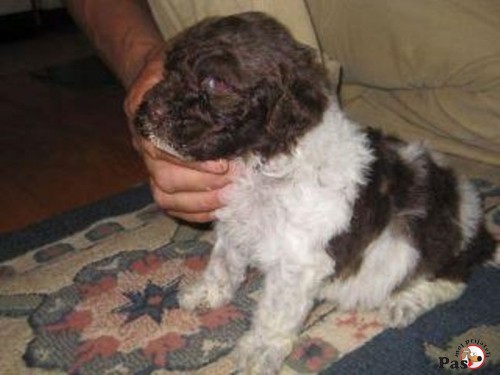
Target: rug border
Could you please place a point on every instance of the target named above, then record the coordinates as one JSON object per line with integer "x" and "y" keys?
{"x": 16, "y": 243}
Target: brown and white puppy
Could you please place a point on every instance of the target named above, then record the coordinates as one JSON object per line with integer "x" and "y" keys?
{"x": 323, "y": 208}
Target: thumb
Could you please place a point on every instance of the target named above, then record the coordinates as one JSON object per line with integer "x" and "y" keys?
{"x": 151, "y": 73}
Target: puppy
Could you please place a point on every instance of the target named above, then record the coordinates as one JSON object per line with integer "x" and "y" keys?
{"x": 325, "y": 209}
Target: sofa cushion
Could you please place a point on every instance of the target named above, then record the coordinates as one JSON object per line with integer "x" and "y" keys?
{"x": 409, "y": 44}
{"x": 423, "y": 70}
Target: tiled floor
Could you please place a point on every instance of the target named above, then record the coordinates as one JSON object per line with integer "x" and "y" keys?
{"x": 61, "y": 145}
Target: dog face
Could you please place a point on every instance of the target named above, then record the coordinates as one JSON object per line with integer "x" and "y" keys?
{"x": 232, "y": 86}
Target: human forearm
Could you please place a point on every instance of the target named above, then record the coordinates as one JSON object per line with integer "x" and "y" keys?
{"x": 123, "y": 31}
{"x": 125, "y": 34}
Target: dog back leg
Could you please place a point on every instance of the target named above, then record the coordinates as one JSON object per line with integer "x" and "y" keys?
{"x": 405, "y": 306}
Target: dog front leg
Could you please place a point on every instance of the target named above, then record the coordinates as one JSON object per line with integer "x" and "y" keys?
{"x": 287, "y": 299}
{"x": 224, "y": 273}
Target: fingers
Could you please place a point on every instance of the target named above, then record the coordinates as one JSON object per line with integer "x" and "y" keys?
{"x": 137, "y": 91}
{"x": 187, "y": 193}
{"x": 153, "y": 154}
{"x": 185, "y": 190}
{"x": 191, "y": 206}
{"x": 186, "y": 201}
{"x": 203, "y": 217}
{"x": 150, "y": 75}
{"x": 171, "y": 178}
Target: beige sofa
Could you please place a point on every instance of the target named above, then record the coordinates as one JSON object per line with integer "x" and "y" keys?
{"x": 425, "y": 70}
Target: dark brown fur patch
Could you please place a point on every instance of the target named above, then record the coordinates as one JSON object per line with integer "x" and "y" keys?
{"x": 235, "y": 85}
{"x": 387, "y": 189}
{"x": 419, "y": 200}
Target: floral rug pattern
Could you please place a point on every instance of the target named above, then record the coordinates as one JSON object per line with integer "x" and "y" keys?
{"x": 120, "y": 313}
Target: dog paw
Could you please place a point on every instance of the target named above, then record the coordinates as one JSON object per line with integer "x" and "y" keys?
{"x": 203, "y": 295}
{"x": 400, "y": 312}
{"x": 259, "y": 356}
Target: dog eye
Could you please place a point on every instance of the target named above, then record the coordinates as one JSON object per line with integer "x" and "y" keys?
{"x": 215, "y": 85}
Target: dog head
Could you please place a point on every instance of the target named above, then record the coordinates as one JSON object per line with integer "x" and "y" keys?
{"x": 232, "y": 86}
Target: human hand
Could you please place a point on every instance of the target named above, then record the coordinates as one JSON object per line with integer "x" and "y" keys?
{"x": 187, "y": 190}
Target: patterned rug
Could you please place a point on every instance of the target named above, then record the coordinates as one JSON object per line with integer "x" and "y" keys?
{"x": 103, "y": 300}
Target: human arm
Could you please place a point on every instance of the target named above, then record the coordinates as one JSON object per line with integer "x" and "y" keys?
{"x": 127, "y": 39}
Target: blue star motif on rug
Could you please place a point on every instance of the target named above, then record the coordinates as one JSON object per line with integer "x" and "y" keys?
{"x": 153, "y": 301}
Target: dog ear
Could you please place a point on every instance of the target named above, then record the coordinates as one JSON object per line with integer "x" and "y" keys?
{"x": 301, "y": 105}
